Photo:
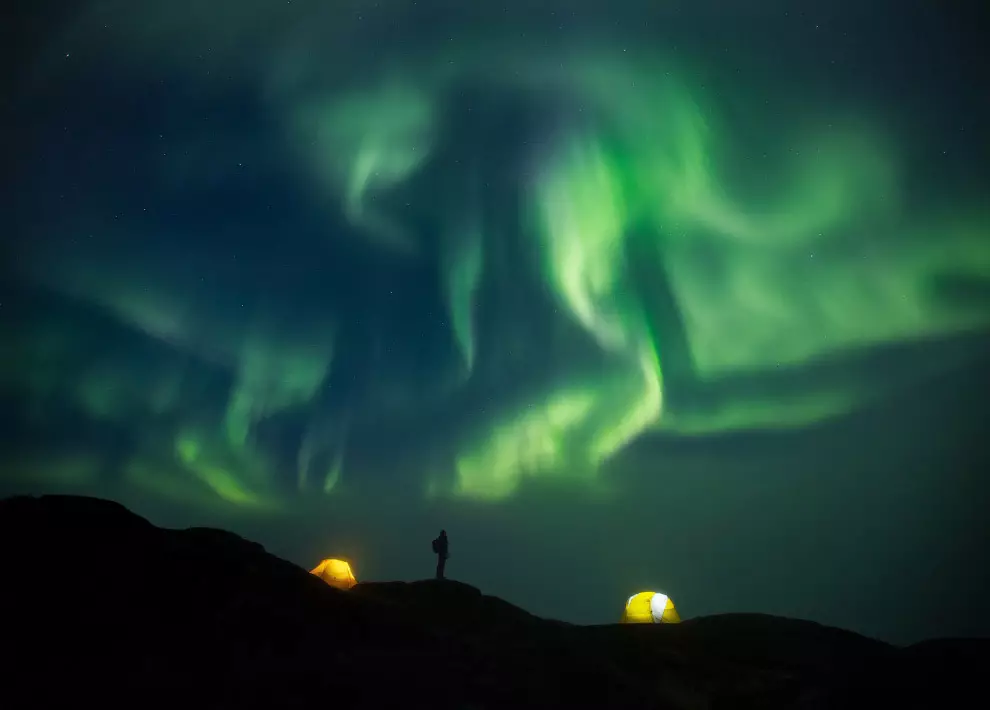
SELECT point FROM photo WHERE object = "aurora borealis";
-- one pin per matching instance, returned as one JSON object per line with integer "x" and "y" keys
{"x": 557, "y": 278}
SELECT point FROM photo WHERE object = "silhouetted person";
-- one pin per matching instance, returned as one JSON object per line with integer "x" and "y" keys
{"x": 440, "y": 547}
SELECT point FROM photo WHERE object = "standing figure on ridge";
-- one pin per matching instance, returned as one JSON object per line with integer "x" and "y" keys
{"x": 440, "y": 547}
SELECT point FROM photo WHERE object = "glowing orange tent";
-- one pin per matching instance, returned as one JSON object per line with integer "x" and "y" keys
{"x": 336, "y": 573}
{"x": 650, "y": 608}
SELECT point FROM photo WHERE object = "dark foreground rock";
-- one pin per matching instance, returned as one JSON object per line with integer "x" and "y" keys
{"x": 101, "y": 607}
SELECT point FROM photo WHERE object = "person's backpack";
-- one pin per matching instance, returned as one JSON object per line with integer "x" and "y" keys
{"x": 436, "y": 545}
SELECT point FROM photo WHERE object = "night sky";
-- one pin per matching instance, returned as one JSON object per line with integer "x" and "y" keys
{"x": 625, "y": 295}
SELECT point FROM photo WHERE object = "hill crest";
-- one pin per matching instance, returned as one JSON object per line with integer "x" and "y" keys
{"x": 116, "y": 606}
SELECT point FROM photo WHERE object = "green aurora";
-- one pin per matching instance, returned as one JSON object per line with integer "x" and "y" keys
{"x": 506, "y": 260}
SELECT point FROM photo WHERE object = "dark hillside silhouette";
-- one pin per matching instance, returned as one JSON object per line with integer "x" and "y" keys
{"x": 100, "y": 607}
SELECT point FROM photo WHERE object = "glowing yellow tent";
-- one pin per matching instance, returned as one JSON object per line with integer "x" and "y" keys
{"x": 650, "y": 608}
{"x": 336, "y": 573}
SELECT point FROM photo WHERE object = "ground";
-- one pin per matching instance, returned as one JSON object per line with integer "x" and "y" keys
{"x": 100, "y": 606}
